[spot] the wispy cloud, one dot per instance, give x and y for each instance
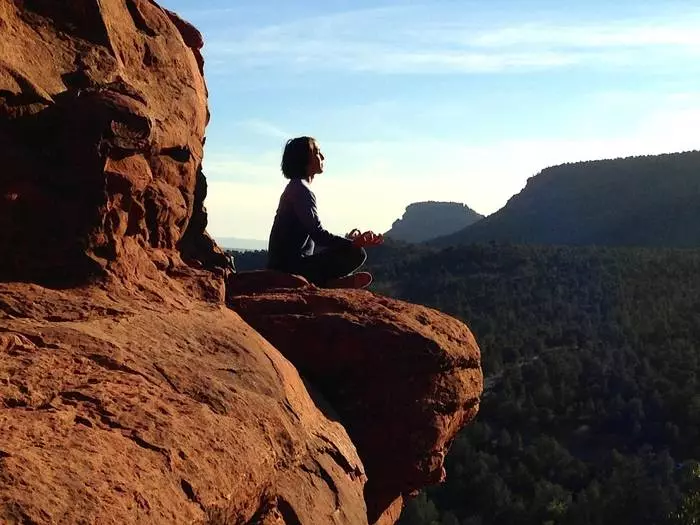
(631, 33)
(264, 128)
(413, 40)
(240, 167)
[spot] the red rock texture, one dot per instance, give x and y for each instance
(129, 392)
(402, 377)
(116, 408)
(102, 118)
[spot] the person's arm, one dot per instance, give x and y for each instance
(304, 202)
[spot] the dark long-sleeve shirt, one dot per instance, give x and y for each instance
(297, 228)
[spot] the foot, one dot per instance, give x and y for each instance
(354, 280)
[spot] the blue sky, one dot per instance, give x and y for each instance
(441, 100)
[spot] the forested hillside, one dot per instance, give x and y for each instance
(591, 413)
(637, 201)
(592, 409)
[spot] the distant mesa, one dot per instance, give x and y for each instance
(651, 201)
(234, 243)
(423, 221)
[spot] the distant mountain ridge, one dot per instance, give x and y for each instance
(427, 220)
(636, 201)
(234, 243)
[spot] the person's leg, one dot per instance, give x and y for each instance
(332, 263)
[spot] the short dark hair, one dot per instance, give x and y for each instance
(295, 158)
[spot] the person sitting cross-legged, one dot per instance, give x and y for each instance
(297, 228)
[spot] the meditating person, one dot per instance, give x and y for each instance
(297, 229)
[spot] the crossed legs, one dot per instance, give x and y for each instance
(331, 264)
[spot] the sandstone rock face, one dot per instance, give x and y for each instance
(102, 117)
(119, 409)
(137, 397)
(403, 378)
(129, 392)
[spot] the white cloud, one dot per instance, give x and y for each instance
(622, 34)
(264, 128)
(240, 166)
(424, 40)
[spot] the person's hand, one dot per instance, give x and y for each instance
(354, 233)
(368, 238)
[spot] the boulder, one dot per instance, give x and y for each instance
(119, 409)
(403, 378)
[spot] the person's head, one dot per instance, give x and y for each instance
(302, 158)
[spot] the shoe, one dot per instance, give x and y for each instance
(354, 280)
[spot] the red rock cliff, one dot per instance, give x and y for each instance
(104, 110)
(403, 378)
(129, 391)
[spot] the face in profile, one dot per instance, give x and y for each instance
(316, 159)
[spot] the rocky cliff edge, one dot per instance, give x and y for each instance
(141, 381)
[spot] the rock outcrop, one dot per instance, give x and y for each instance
(119, 409)
(403, 378)
(103, 110)
(129, 391)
